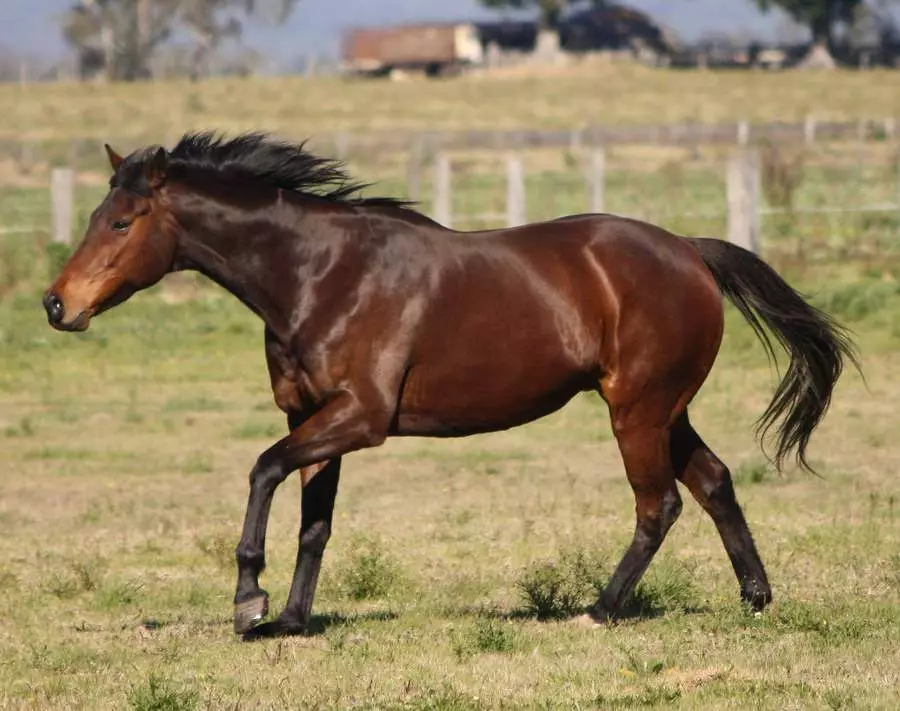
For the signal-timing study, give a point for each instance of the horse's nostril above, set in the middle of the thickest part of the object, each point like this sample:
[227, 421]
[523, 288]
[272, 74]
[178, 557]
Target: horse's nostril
[54, 308]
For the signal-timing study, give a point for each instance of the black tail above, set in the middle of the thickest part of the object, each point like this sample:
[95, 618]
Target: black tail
[816, 343]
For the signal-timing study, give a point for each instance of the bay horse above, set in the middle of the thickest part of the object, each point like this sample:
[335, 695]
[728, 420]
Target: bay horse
[380, 322]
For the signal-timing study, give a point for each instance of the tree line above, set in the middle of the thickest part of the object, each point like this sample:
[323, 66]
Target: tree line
[120, 38]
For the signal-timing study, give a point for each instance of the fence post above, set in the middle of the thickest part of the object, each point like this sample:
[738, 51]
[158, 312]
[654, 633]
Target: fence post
[596, 181]
[809, 130]
[743, 133]
[743, 201]
[62, 199]
[442, 191]
[515, 192]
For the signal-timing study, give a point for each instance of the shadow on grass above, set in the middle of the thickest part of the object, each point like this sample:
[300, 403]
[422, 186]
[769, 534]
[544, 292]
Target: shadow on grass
[318, 625]
[634, 610]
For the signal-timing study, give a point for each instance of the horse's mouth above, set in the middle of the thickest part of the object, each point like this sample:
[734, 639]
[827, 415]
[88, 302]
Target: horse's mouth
[78, 324]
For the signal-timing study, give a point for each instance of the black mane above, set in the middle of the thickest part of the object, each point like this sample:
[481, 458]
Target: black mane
[258, 157]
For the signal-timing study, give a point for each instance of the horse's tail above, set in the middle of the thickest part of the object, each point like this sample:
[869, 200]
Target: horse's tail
[816, 343]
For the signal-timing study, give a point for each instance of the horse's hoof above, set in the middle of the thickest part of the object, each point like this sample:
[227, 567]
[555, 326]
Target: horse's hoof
[249, 612]
[279, 627]
[757, 597]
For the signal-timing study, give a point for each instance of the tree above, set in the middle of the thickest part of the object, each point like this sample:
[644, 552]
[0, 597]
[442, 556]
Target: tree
[550, 10]
[120, 37]
[819, 16]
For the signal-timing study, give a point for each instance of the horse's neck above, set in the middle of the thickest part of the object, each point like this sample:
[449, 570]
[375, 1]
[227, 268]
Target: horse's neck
[245, 260]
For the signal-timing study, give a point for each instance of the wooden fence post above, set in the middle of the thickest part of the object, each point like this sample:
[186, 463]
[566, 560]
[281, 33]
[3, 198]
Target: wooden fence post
[743, 133]
[596, 179]
[809, 130]
[62, 200]
[442, 191]
[515, 192]
[743, 201]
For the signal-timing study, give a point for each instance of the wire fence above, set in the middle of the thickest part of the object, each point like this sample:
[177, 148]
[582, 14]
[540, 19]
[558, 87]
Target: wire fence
[808, 200]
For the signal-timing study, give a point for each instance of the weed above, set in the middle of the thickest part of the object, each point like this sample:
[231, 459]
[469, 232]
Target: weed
[368, 573]
[667, 587]
[88, 574]
[159, 694]
[488, 635]
[550, 592]
[119, 595]
[62, 586]
[74, 578]
[554, 590]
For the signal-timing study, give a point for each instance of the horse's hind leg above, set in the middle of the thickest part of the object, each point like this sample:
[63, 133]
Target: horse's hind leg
[710, 483]
[643, 437]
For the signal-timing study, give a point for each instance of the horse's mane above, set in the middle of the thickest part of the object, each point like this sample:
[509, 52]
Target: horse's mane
[256, 157]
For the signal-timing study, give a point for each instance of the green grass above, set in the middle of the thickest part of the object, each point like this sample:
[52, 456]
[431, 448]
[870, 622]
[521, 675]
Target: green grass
[617, 94]
[126, 454]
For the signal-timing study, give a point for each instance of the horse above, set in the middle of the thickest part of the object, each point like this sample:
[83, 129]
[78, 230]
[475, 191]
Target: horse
[379, 322]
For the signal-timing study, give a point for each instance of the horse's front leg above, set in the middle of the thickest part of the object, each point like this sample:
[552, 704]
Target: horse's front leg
[343, 424]
[320, 484]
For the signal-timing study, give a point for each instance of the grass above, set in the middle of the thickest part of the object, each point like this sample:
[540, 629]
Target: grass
[455, 565]
[118, 554]
[613, 94]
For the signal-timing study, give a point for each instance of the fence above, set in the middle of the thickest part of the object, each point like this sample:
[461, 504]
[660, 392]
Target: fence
[85, 153]
[846, 207]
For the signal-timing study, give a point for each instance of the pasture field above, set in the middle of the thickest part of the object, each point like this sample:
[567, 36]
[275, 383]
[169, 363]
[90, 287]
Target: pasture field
[126, 449]
[126, 452]
[595, 93]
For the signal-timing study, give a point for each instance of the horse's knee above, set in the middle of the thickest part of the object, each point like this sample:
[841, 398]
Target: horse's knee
[266, 475]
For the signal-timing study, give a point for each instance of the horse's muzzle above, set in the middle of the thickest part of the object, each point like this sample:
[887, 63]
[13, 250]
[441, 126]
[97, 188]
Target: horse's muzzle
[56, 313]
[55, 309]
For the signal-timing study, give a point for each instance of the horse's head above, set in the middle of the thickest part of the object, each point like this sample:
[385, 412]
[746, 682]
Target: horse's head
[127, 246]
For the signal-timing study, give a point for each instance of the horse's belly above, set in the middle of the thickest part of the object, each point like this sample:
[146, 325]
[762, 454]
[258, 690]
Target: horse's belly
[452, 405]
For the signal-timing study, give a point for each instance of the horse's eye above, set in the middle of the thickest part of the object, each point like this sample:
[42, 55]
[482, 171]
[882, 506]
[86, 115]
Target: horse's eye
[120, 226]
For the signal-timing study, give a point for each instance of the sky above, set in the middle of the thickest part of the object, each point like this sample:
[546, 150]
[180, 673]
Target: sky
[31, 26]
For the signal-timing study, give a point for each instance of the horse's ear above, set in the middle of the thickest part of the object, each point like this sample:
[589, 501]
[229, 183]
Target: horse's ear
[155, 168]
[115, 160]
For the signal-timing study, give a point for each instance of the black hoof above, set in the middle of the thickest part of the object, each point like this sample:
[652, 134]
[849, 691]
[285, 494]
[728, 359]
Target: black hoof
[279, 627]
[248, 613]
[755, 596]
